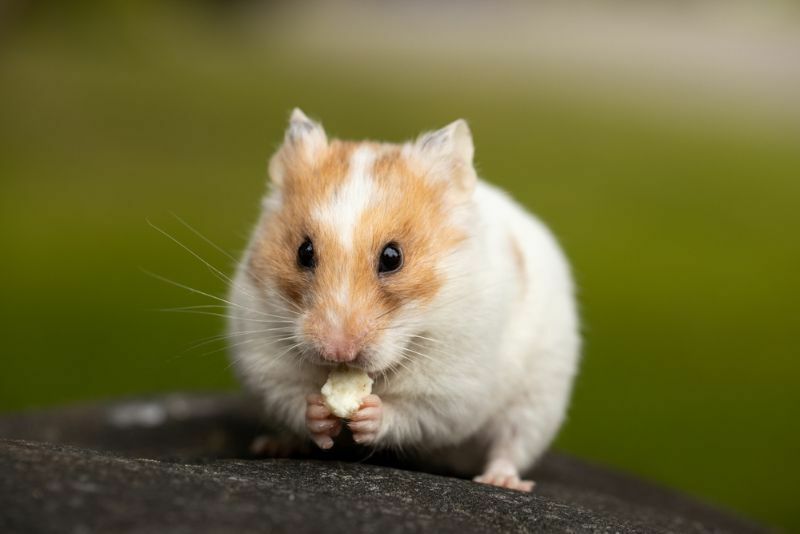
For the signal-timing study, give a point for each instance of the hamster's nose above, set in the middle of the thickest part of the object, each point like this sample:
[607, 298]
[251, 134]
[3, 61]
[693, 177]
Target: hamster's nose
[339, 348]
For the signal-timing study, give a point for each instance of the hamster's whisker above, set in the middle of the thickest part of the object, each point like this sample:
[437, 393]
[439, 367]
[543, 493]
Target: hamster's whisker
[263, 343]
[414, 337]
[461, 298]
[228, 316]
[233, 335]
[401, 364]
[205, 294]
[432, 340]
[273, 340]
[390, 310]
[204, 238]
[295, 307]
[192, 229]
[219, 274]
[221, 307]
[224, 347]
[204, 342]
[438, 306]
[192, 252]
[390, 370]
[424, 344]
[230, 346]
[274, 360]
[195, 307]
[411, 338]
[432, 350]
[407, 349]
[404, 357]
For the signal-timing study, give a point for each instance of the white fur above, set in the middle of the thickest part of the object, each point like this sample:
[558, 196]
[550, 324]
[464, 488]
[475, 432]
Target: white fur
[344, 209]
[495, 381]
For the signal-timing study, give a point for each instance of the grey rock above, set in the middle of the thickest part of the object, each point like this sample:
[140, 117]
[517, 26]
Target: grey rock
[180, 463]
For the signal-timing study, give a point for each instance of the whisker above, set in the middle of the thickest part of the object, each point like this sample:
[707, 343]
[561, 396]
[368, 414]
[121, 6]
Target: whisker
[428, 339]
[233, 335]
[203, 293]
[201, 236]
[390, 310]
[418, 353]
[401, 364]
[296, 308]
[228, 316]
[413, 337]
[222, 307]
[229, 346]
[276, 358]
[434, 350]
[220, 249]
[195, 307]
[219, 274]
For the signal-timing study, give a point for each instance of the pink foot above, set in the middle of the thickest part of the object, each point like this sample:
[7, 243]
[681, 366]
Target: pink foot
[321, 423]
[502, 473]
[366, 422]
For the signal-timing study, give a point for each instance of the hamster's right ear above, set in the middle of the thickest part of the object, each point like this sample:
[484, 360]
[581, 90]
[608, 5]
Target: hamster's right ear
[302, 143]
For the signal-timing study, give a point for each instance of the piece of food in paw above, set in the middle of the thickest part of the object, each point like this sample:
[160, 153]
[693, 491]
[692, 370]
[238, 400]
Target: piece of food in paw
[345, 389]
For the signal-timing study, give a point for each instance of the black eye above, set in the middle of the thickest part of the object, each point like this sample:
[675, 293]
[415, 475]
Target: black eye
[391, 259]
[305, 255]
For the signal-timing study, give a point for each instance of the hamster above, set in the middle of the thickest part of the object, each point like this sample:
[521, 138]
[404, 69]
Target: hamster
[398, 260]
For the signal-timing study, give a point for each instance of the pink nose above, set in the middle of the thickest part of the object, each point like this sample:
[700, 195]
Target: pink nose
[339, 348]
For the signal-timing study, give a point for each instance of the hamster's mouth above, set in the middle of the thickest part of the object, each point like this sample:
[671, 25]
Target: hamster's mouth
[360, 362]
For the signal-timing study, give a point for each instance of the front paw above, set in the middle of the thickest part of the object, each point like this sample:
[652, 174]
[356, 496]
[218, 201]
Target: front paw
[321, 423]
[366, 422]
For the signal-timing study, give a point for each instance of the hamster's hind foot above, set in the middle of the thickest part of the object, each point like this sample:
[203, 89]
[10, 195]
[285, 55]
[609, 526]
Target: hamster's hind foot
[502, 473]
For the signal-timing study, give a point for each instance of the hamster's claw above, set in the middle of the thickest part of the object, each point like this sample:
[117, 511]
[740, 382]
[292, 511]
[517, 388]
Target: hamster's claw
[321, 423]
[366, 422]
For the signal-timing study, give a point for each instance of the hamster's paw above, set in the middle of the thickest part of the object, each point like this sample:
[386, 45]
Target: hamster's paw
[502, 473]
[321, 423]
[366, 422]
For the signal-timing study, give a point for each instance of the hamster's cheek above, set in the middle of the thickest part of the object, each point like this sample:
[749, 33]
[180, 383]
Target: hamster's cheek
[378, 356]
[389, 351]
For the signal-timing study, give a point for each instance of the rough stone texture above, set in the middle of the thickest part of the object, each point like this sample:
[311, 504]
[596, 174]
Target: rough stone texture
[180, 464]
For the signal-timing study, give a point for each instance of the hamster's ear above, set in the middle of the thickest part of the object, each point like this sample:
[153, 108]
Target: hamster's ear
[303, 141]
[304, 131]
[449, 152]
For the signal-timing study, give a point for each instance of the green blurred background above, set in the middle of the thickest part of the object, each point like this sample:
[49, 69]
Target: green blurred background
[670, 174]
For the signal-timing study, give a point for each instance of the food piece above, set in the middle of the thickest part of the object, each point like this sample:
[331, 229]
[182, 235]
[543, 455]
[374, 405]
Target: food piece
[345, 389]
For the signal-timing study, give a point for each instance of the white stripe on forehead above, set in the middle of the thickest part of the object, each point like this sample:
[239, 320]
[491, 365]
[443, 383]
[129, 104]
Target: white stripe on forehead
[343, 210]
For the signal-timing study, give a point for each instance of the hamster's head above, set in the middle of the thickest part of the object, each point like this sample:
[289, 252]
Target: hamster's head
[355, 244]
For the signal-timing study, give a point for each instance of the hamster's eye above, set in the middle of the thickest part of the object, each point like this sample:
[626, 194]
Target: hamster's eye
[391, 259]
[305, 255]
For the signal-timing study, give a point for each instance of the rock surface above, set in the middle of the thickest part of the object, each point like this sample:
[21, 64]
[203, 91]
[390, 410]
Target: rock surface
[180, 463]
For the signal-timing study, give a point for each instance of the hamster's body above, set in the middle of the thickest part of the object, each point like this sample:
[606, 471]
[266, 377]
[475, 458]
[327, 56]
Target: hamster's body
[473, 341]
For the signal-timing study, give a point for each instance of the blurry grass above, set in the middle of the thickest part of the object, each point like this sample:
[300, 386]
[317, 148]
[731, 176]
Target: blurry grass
[681, 233]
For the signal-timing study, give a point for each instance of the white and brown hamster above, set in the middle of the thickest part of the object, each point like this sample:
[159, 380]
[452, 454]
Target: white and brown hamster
[397, 259]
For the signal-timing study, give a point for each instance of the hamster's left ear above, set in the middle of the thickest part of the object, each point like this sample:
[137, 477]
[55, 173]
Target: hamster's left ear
[449, 152]
[303, 141]
[304, 131]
